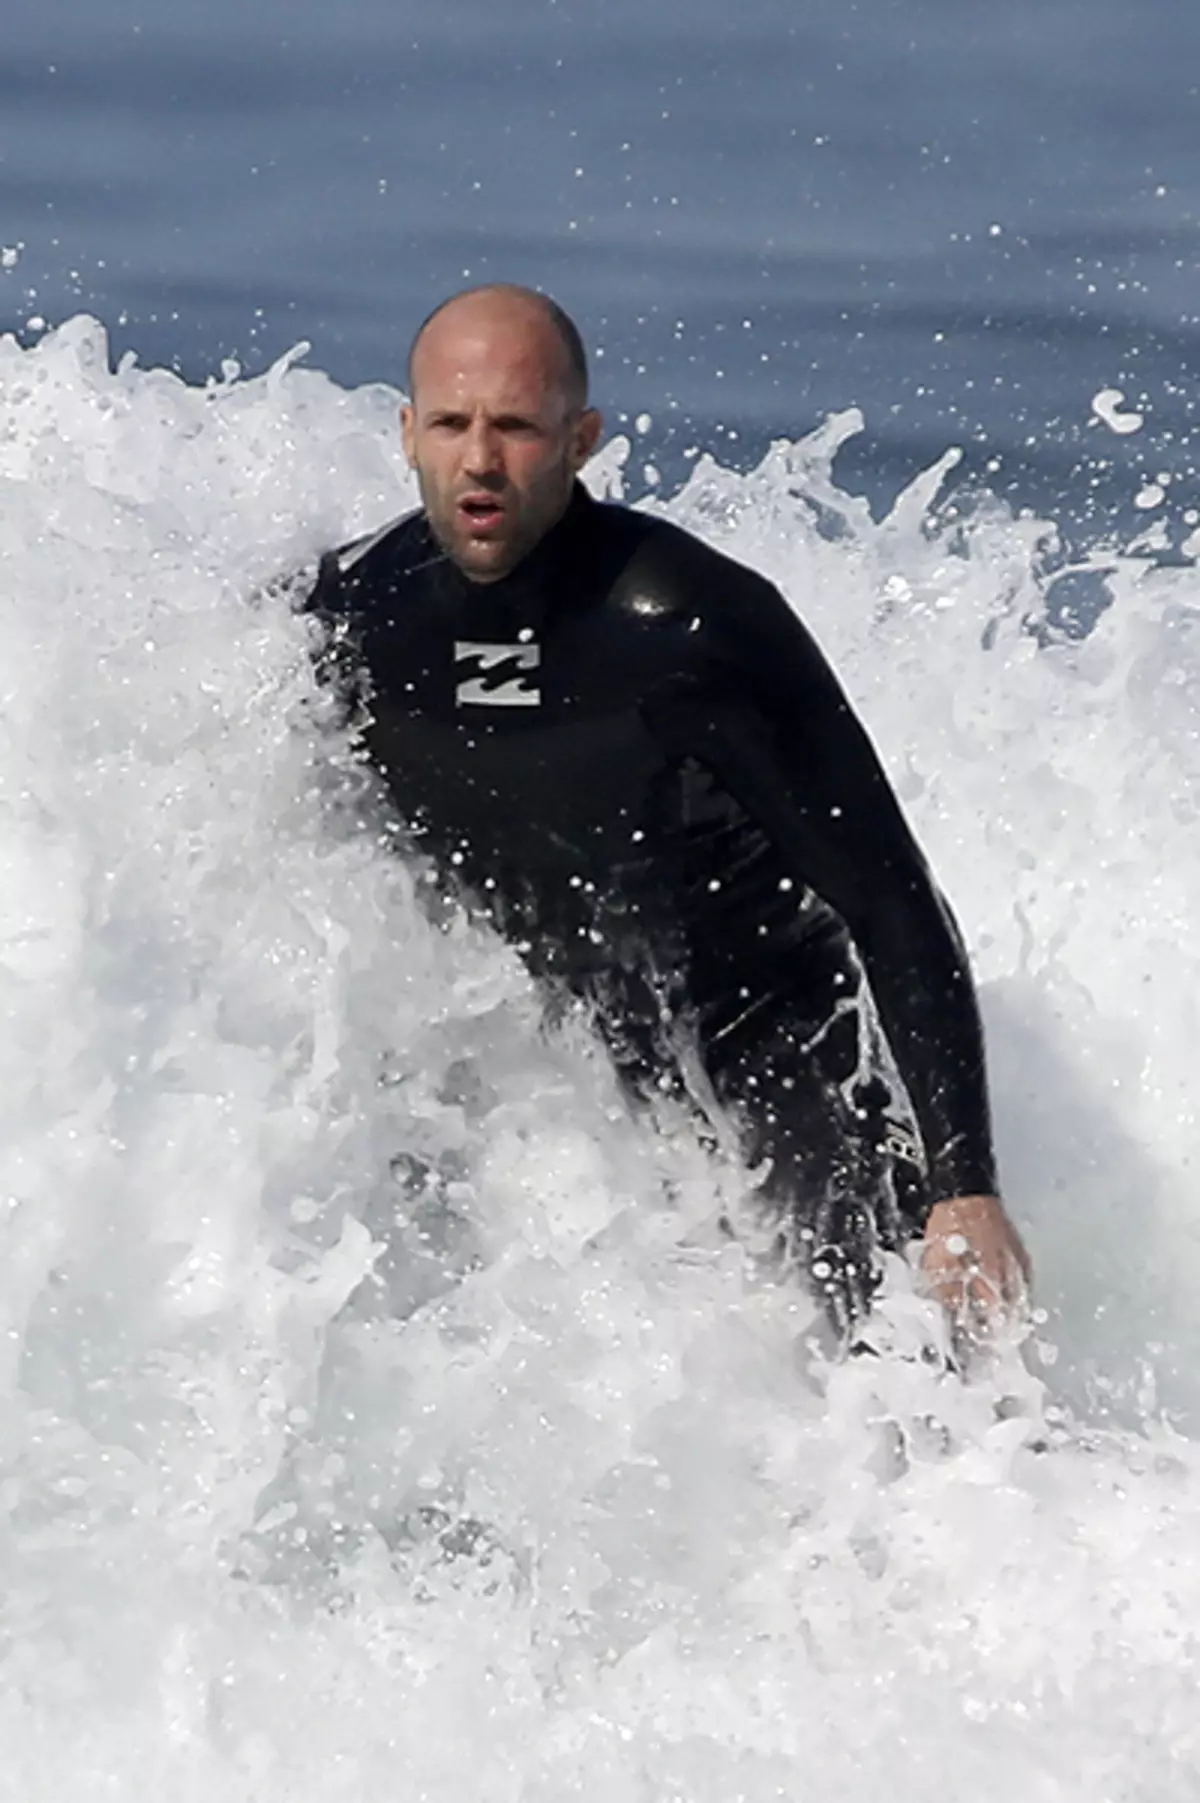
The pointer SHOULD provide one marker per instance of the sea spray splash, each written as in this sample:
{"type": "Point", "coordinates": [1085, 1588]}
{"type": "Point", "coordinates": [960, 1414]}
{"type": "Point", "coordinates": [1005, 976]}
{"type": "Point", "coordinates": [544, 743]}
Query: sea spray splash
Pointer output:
{"type": "Point", "coordinates": [595, 1522]}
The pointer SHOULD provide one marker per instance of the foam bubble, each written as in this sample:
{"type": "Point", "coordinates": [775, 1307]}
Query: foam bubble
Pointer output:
{"type": "Point", "coordinates": [1107, 405]}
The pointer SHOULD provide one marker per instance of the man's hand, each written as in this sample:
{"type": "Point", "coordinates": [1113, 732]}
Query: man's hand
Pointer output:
{"type": "Point", "coordinates": [974, 1262]}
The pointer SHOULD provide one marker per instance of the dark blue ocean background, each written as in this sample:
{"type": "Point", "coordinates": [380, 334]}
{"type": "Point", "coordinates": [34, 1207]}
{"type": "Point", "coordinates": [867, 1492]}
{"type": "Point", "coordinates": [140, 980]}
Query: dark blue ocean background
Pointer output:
{"type": "Point", "coordinates": [966, 220]}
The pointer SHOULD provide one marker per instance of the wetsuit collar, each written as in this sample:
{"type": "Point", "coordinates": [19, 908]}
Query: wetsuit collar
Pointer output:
{"type": "Point", "coordinates": [547, 556]}
{"type": "Point", "coordinates": [537, 581]}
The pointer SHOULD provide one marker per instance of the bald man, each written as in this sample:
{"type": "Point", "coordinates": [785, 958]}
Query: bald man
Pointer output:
{"type": "Point", "coordinates": [628, 751]}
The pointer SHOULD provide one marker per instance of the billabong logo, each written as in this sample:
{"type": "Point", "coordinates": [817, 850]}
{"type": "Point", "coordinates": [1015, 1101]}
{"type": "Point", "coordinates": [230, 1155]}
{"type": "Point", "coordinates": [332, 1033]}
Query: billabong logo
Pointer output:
{"type": "Point", "coordinates": [900, 1141]}
{"type": "Point", "coordinates": [497, 675]}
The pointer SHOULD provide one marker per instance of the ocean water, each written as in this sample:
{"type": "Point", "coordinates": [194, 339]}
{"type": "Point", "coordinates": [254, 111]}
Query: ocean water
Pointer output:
{"type": "Point", "coordinates": [309, 1493]}
{"type": "Point", "coordinates": [966, 221]}
{"type": "Point", "coordinates": [568, 1505]}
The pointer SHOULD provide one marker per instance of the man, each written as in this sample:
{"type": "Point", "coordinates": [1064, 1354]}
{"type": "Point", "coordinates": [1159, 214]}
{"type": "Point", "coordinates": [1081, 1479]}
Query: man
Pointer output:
{"type": "Point", "coordinates": [628, 750]}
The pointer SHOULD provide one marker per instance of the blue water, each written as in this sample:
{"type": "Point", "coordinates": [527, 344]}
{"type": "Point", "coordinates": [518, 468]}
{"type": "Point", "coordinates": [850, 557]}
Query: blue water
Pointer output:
{"type": "Point", "coordinates": [965, 222]}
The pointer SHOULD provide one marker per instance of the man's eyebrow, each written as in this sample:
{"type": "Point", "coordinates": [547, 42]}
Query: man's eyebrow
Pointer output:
{"type": "Point", "coordinates": [457, 415]}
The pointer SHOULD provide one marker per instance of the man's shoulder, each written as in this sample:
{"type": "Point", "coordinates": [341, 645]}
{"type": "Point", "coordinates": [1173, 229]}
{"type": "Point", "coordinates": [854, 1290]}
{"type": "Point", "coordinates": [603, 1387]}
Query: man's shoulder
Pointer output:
{"type": "Point", "coordinates": [349, 574]}
{"type": "Point", "coordinates": [399, 545]}
{"type": "Point", "coordinates": [678, 566]}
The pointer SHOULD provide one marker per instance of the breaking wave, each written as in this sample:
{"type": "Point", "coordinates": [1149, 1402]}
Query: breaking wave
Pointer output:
{"type": "Point", "coordinates": [309, 1491]}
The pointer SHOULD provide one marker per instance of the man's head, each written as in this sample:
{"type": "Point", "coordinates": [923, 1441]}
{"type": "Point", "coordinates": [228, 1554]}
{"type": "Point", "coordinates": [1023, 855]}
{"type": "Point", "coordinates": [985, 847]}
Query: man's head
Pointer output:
{"type": "Point", "coordinates": [498, 425]}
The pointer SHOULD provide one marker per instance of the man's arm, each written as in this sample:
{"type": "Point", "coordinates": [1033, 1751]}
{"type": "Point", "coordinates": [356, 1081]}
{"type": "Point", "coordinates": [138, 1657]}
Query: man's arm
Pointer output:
{"type": "Point", "coordinates": [799, 753]}
{"type": "Point", "coordinates": [850, 843]}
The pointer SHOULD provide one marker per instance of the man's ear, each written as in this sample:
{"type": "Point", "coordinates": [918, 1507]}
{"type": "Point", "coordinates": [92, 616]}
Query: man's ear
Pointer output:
{"type": "Point", "coordinates": [587, 435]}
{"type": "Point", "coordinates": [408, 433]}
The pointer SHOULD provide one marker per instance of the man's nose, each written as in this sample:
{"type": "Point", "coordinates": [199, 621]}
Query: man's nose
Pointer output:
{"type": "Point", "coordinates": [483, 452]}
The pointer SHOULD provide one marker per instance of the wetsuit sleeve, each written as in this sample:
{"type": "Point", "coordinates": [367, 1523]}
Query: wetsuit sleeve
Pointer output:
{"type": "Point", "coordinates": [839, 823]}
{"type": "Point", "coordinates": [337, 654]}
{"type": "Point", "coordinates": [326, 598]}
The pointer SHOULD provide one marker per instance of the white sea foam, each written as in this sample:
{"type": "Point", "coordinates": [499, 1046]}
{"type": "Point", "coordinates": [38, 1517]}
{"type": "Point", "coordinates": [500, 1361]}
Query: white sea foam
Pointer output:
{"type": "Point", "coordinates": [560, 1505]}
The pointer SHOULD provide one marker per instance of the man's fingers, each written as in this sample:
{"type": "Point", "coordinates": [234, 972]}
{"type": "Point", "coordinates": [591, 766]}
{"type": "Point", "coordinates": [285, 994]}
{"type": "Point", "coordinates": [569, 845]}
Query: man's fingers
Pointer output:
{"type": "Point", "coordinates": [1017, 1290]}
{"type": "Point", "coordinates": [1023, 1260]}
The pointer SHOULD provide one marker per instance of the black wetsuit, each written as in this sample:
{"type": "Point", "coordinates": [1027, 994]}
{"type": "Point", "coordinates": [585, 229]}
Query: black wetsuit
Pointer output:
{"type": "Point", "coordinates": [632, 754]}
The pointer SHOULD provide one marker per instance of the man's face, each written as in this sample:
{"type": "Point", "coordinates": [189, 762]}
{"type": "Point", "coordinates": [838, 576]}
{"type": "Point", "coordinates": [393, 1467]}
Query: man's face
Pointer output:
{"type": "Point", "coordinates": [493, 435]}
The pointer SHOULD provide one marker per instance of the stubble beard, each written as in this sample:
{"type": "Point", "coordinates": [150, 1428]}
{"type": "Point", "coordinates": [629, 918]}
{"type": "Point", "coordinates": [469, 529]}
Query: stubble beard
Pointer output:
{"type": "Point", "coordinates": [490, 560]}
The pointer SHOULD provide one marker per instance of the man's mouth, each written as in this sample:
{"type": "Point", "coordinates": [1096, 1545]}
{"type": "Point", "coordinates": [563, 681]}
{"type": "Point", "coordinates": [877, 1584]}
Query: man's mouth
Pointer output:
{"type": "Point", "coordinates": [480, 513]}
